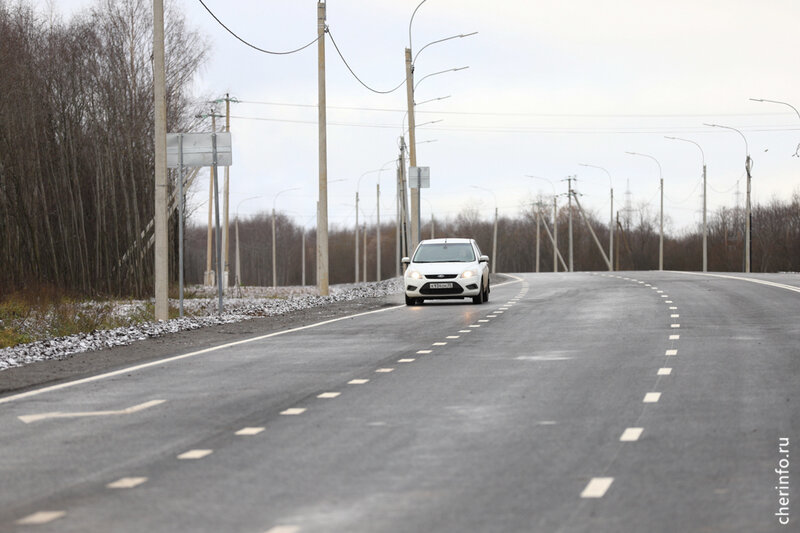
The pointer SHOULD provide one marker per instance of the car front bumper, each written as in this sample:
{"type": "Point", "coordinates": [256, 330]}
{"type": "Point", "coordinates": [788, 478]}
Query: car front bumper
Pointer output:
{"type": "Point", "coordinates": [432, 288]}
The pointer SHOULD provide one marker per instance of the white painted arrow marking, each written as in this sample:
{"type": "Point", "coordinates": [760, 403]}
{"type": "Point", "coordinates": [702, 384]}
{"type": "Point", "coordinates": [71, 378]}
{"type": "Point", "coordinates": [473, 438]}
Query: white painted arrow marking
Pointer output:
{"type": "Point", "coordinates": [130, 410]}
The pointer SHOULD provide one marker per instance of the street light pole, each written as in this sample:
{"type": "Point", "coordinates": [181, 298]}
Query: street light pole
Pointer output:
{"type": "Point", "coordinates": [611, 219]}
{"type": "Point", "coordinates": [748, 165]}
{"type": "Point", "coordinates": [494, 233]}
{"type": "Point", "coordinates": [797, 151]}
{"type": "Point", "coordinates": [569, 200]}
{"type": "Point", "coordinates": [661, 218]}
{"type": "Point", "coordinates": [705, 203]}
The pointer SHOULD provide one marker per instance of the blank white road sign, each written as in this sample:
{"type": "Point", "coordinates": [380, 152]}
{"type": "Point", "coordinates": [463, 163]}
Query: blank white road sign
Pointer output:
{"type": "Point", "coordinates": [197, 150]}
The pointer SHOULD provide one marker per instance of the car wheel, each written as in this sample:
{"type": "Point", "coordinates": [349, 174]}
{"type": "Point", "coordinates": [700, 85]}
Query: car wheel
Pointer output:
{"type": "Point", "coordinates": [413, 301]}
{"type": "Point", "coordinates": [479, 298]}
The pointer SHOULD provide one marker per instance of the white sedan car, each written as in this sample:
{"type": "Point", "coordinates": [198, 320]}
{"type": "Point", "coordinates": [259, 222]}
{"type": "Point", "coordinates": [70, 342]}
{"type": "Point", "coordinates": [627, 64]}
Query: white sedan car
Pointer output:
{"type": "Point", "coordinates": [446, 269]}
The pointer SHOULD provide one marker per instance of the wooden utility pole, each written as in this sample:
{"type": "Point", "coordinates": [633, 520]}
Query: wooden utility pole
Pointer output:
{"type": "Point", "coordinates": [160, 118]}
{"type": "Point", "coordinates": [322, 214]}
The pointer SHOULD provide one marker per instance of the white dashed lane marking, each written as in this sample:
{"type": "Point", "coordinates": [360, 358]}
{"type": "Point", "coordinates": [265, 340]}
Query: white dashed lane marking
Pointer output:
{"type": "Point", "coordinates": [673, 308]}
{"type": "Point", "coordinates": [674, 337]}
{"type": "Point", "coordinates": [652, 397]}
{"type": "Point", "coordinates": [249, 432]}
{"type": "Point", "coordinates": [597, 487]}
{"type": "Point", "coordinates": [357, 381]}
{"type": "Point", "coordinates": [674, 316]}
{"type": "Point", "coordinates": [424, 351]}
{"type": "Point", "coordinates": [664, 371]}
{"type": "Point", "coordinates": [483, 321]}
{"type": "Point", "coordinates": [284, 529]}
{"type": "Point", "coordinates": [384, 370]}
{"type": "Point", "coordinates": [127, 483]}
{"type": "Point", "coordinates": [329, 395]}
{"type": "Point", "coordinates": [439, 344]}
{"type": "Point", "coordinates": [671, 352]}
{"type": "Point", "coordinates": [196, 454]}
{"type": "Point", "coordinates": [406, 360]}
{"type": "Point", "coordinates": [631, 434]}
{"type": "Point", "coordinates": [675, 325]}
{"type": "Point", "coordinates": [294, 411]}
{"type": "Point", "coordinates": [40, 518]}
{"type": "Point", "coordinates": [475, 325]}
{"type": "Point", "coordinates": [452, 336]}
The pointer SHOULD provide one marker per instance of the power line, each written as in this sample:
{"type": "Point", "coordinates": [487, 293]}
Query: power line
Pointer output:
{"type": "Point", "coordinates": [250, 44]}
{"type": "Point", "coordinates": [523, 114]}
{"type": "Point", "coordinates": [532, 130]}
{"type": "Point", "coordinates": [354, 74]}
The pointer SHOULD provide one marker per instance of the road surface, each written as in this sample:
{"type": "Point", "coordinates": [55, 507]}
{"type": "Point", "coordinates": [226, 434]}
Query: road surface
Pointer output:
{"type": "Point", "coordinates": [586, 402]}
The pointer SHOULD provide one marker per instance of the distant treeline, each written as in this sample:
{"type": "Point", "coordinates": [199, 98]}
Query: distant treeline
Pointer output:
{"type": "Point", "coordinates": [775, 244]}
{"type": "Point", "coordinates": [76, 143]}
{"type": "Point", "coordinates": [76, 177]}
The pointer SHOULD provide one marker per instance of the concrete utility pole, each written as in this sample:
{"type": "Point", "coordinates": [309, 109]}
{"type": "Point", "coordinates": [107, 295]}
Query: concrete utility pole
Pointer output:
{"type": "Point", "coordinates": [538, 233]}
{"type": "Point", "coordinates": [356, 247]}
{"type": "Point", "coordinates": [161, 267]}
{"type": "Point", "coordinates": [226, 199]}
{"type": "Point", "coordinates": [705, 203]}
{"type": "Point", "coordinates": [412, 147]}
{"type": "Point", "coordinates": [322, 214]}
{"type": "Point", "coordinates": [378, 232]}
{"type": "Point", "coordinates": [661, 216]}
{"type": "Point", "coordinates": [555, 233]}
{"type": "Point", "coordinates": [594, 235]}
{"type": "Point", "coordinates": [365, 253]}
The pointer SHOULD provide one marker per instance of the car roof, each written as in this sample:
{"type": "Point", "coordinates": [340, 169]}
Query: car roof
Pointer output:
{"type": "Point", "coordinates": [445, 240]}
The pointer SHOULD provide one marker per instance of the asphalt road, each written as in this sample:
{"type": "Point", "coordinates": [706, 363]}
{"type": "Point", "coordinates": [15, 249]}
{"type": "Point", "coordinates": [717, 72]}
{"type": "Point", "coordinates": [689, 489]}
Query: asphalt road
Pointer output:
{"type": "Point", "coordinates": [638, 402]}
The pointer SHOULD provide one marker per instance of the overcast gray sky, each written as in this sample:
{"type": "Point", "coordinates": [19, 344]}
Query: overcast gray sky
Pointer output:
{"type": "Point", "coordinates": [550, 84]}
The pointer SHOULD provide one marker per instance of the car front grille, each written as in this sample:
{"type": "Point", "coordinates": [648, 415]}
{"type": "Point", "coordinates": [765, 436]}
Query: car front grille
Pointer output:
{"type": "Point", "coordinates": [455, 289]}
{"type": "Point", "coordinates": [441, 276]}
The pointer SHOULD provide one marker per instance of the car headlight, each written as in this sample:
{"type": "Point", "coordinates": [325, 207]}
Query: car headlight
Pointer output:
{"type": "Point", "coordinates": [413, 274]}
{"type": "Point", "coordinates": [468, 274]}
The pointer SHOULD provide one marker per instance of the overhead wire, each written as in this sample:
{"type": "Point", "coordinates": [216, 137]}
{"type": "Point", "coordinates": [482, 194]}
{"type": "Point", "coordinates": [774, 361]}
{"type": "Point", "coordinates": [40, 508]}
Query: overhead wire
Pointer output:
{"type": "Point", "coordinates": [262, 50]}
{"type": "Point", "coordinates": [346, 64]}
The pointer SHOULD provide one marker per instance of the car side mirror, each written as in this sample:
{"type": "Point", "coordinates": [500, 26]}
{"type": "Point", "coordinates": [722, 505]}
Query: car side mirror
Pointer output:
{"type": "Point", "coordinates": [484, 259]}
{"type": "Point", "coordinates": [405, 260]}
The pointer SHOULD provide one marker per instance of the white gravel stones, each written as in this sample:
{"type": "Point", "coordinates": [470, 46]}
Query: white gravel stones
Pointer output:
{"type": "Point", "coordinates": [254, 302]}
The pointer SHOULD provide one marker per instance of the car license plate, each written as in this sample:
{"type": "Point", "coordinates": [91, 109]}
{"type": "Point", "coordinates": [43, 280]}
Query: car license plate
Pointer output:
{"type": "Point", "coordinates": [441, 285]}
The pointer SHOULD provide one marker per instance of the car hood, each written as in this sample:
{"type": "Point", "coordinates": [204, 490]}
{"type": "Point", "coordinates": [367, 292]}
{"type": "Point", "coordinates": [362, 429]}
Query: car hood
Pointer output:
{"type": "Point", "coordinates": [443, 268]}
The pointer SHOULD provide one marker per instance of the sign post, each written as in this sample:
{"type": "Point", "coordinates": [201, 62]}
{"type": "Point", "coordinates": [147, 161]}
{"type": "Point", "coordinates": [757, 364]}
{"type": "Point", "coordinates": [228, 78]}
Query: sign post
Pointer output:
{"type": "Point", "coordinates": [198, 150]}
{"type": "Point", "coordinates": [419, 178]}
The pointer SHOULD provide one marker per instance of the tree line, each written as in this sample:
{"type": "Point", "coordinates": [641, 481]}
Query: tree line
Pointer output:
{"type": "Point", "coordinates": [775, 244]}
{"type": "Point", "coordinates": [76, 143]}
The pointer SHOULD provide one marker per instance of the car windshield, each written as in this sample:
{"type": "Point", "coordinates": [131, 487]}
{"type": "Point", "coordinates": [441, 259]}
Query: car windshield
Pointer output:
{"type": "Point", "coordinates": [445, 253]}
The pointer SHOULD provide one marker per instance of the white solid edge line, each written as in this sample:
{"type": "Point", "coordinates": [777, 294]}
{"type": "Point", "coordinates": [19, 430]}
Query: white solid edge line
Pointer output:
{"type": "Point", "coordinates": [751, 280]}
{"type": "Point", "coordinates": [134, 368]}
